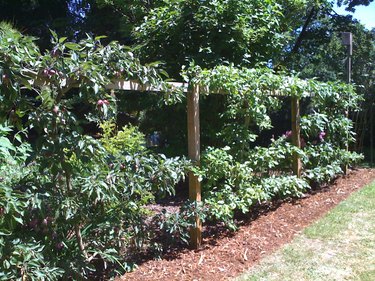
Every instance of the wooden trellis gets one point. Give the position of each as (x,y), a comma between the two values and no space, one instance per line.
(193,127)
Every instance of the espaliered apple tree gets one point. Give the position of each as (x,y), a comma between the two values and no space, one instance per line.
(74,202)
(240,174)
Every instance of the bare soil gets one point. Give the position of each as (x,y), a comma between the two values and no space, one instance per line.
(227,254)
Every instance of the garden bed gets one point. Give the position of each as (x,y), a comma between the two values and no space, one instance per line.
(226,254)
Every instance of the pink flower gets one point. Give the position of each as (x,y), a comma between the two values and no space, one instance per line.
(55,109)
(321,136)
(102,102)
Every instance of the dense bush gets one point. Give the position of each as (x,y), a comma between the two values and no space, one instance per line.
(22,254)
(72,205)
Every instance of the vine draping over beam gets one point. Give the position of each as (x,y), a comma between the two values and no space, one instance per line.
(89,64)
(263,81)
(217,81)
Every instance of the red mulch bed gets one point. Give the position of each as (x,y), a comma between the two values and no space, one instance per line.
(225,254)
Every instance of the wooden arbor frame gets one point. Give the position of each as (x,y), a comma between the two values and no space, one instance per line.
(193,126)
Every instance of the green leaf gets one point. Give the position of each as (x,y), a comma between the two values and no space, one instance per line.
(5,143)
(17,219)
(54,35)
(72,46)
(62,39)
(100,37)
(6,264)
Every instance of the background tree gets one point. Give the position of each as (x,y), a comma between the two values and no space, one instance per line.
(322,55)
(37,17)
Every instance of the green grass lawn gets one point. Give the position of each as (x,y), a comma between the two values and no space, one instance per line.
(340,246)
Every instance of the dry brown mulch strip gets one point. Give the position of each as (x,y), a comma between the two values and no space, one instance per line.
(267,230)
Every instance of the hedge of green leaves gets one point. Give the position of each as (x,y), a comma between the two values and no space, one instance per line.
(74,205)
(240,175)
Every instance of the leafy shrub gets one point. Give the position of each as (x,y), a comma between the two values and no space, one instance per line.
(22,256)
(277,157)
(284,186)
(175,226)
(71,231)
(230,186)
(74,205)
(128,139)
(325,161)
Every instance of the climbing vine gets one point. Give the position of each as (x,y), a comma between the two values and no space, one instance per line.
(241,174)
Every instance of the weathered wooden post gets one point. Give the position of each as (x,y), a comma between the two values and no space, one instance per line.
(194,155)
(296,136)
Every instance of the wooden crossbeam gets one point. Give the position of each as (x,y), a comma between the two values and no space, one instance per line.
(128,85)
(131,85)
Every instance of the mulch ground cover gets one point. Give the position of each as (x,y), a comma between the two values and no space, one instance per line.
(226,254)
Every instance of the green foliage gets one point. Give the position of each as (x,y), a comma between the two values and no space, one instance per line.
(107,217)
(84,200)
(252,96)
(12,171)
(73,201)
(239,175)
(264,81)
(211,32)
(26,260)
(87,64)
(127,140)
(284,186)
(324,161)
(277,157)
(175,226)
(230,186)
(22,255)
(321,54)
(327,131)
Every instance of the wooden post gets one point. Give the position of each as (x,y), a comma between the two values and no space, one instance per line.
(194,155)
(296,136)
(349,78)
